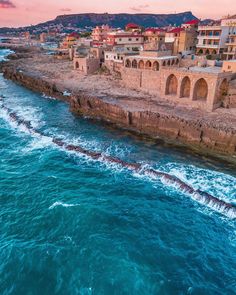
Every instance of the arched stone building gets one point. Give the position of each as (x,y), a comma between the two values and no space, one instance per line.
(198,87)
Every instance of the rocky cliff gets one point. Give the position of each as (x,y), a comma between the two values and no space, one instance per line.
(209,135)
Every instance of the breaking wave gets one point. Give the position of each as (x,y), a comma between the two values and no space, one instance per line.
(171,178)
(61,204)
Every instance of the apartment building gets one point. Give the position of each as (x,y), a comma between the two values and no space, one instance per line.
(213,39)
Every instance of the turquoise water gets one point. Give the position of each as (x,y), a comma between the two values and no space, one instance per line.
(72,225)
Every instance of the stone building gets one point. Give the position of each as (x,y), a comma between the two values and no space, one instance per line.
(154,39)
(99,33)
(87,60)
(199,87)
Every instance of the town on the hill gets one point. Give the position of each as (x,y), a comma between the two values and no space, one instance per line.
(192,65)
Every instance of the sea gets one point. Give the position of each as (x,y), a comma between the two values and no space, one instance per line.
(71,224)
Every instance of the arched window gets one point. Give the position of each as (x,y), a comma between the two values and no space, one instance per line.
(168,63)
(185,87)
(164,63)
(200,91)
(148,65)
(177,62)
(134,64)
(77,65)
(156,66)
(128,63)
(141,64)
(173,62)
(223,92)
(171,85)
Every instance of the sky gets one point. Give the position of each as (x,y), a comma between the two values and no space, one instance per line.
(16,13)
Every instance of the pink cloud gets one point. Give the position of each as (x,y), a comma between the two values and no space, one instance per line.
(139,7)
(65,9)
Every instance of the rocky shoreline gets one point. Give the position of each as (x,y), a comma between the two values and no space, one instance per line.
(210,133)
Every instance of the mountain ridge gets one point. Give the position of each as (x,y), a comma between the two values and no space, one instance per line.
(85,20)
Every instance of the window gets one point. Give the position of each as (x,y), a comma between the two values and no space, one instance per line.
(130,39)
(137,39)
(106,56)
(120,39)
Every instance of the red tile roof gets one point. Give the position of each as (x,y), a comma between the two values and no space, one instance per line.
(176,30)
(192,22)
(75,35)
(132,26)
(154,30)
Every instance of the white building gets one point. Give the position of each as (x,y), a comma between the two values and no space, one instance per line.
(213,39)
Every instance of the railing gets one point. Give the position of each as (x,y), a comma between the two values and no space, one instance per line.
(207,46)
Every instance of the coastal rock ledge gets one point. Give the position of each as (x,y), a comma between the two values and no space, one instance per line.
(213,133)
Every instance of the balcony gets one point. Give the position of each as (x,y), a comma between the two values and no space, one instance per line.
(231,42)
(208,46)
(208,37)
(209,28)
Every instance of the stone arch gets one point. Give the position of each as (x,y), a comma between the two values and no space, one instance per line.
(141,64)
(223,92)
(171,85)
(185,87)
(164,63)
(128,63)
(134,64)
(200,91)
(77,65)
(214,51)
(156,66)
(207,51)
(200,51)
(148,65)
(168,63)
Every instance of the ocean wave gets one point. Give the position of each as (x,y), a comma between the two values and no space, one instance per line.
(220,184)
(218,204)
(61,204)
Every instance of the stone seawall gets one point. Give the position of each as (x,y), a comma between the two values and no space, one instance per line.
(157,125)
(197,133)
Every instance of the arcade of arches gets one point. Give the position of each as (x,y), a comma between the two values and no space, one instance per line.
(150,65)
(197,89)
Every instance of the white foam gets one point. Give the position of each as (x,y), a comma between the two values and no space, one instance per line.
(48,97)
(61,204)
(216,183)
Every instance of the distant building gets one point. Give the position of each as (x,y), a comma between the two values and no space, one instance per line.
(213,39)
(154,39)
(87,60)
(124,38)
(192,24)
(70,41)
(100,33)
(131,27)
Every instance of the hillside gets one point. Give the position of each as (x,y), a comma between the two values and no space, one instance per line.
(115,20)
